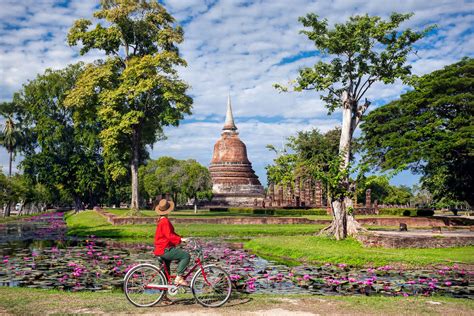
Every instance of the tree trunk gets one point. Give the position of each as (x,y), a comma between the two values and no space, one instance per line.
(22,206)
(339,222)
(6,212)
(344,223)
(77,204)
(134,205)
(10,164)
(195,204)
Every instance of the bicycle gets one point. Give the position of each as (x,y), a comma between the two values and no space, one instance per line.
(145,284)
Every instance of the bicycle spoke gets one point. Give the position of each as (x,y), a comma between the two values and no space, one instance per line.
(136,283)
(214,290)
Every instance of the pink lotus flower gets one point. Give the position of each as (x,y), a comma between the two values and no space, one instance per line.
(306,277)
(448,283)
(5,261)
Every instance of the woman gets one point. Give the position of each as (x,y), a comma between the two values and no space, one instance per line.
(166,241)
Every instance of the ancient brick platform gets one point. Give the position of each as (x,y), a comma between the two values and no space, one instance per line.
(418,239)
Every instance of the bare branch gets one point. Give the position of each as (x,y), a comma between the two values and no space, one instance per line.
(360,112)
(370,81)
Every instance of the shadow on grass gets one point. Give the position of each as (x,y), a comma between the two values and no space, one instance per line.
(236,299)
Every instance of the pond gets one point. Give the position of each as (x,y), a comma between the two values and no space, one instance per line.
(37,253)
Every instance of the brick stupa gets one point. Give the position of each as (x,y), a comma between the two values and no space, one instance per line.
(234,183)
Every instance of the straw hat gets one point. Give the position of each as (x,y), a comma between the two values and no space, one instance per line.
(164,207)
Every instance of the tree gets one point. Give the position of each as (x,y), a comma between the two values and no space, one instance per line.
(382,190)
(9,137)
(136,90)
(159,176)
(366,50)
(63,155)
(168,175)
(197,181)
(306,153)
(430,131)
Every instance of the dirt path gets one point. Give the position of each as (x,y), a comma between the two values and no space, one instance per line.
(24,301)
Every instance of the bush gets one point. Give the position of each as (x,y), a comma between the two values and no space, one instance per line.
(406,212)
(218,209)
(301,212)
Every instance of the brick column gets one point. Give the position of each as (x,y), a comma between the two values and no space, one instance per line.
(271,192)
(298,191)
(318,195)
(368,202)
(280,195)
(306,198)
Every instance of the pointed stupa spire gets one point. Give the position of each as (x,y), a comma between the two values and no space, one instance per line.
(229,124)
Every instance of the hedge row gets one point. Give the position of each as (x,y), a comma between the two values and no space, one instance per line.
(270,211)
(406,212)
(296,212)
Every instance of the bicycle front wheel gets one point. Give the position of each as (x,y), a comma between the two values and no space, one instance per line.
(211,286)
(144,285)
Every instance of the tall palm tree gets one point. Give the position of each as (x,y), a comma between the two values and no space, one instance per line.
(9,140)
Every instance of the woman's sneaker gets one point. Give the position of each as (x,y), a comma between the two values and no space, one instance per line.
(180,281)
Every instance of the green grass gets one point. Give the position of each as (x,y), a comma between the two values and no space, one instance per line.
(206,213)
(23,301)
(314,249)
(91,223)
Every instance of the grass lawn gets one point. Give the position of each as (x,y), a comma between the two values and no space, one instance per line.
(91,223)
(314,249)
(23,301)
(207,213)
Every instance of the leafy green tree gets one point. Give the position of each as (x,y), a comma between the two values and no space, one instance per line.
(365,50)
(382,190)
(10,192)
(304,152)
(197,181)
(430,131)
(136,90)
(168,175)
(17,189)
(63,155)
(159,176)
(399,195)
(283,169)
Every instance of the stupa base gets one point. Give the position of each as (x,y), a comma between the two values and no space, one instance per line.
(237,200)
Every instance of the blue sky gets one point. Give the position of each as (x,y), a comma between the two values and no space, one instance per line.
(236,47)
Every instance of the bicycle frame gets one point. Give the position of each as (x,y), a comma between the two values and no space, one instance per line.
(197,263)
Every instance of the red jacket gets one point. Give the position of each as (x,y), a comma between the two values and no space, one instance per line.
(165,236)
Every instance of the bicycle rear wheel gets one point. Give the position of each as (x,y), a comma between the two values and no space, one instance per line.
(213,288)
(143,285)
